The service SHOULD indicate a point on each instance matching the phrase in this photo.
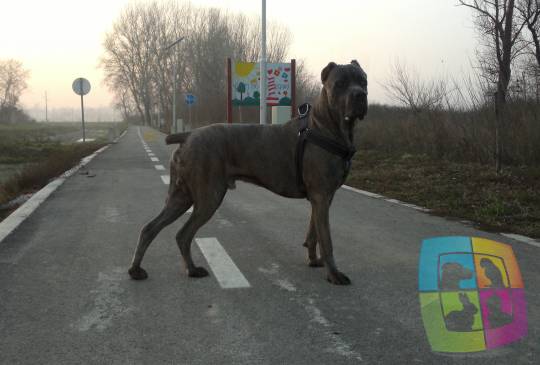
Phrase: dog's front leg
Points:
(321, 207)
(311, 244)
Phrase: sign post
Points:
(81, 86)
(190, 100)
(262, 66)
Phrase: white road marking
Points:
(166, 180)
(523, 239)
(363, 192)
(151, 154)
(226, 272)
(154, 159)
(517, 237)
(159, 167)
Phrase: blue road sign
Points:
(190, 99)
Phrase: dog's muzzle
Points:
(356, 104)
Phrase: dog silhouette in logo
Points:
(462, 320)
(497, 318)
(452, 274)
(493, 273)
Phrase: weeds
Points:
(37, 175)
(503, 202)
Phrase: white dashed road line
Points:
(159, 167)
(166, 179)
(154, 159)
(226, 272)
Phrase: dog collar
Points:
(306, 134)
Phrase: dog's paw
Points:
(198, 272)
(316, 262)
(137, 273)
(338, 278)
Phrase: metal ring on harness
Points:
(303, 110)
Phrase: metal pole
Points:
(46, 108)
(229, 92)
(263, 65)
(174, 85)
(174, 99)
(82, 111)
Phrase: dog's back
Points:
(259, 154)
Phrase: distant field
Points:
(31, 154)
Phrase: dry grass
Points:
(444, 160)
(37, 175)
(507, 202)
(465, 136)
(43, 151)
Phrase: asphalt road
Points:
(66, 298)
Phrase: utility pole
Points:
(174, 84)
(46, 109)
(263, 65)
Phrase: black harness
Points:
(305, 134)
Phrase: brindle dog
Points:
(210, 159)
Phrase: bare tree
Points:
(137, 59)
(13, 78)
(405, 87)
(529, 14)
(308, 85)
(495, 22)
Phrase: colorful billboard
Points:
(246, 81)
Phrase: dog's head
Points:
(345, 90)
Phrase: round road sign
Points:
(81, 86)
(190, 99)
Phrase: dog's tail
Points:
(177, 138)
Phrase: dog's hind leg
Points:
(311, 244)
(177, 204)
(203, 209)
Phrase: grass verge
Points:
(508, 202)
(34, 176)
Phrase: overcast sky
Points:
(60, 40)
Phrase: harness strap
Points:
(305, 134)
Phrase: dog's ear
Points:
(355, 63)
(326, 71)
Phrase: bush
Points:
(466, 136)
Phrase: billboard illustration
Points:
(471, 294)
(245, 84)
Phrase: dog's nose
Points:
(358, 94)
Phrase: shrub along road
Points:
(66, 296)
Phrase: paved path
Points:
(65, 297)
